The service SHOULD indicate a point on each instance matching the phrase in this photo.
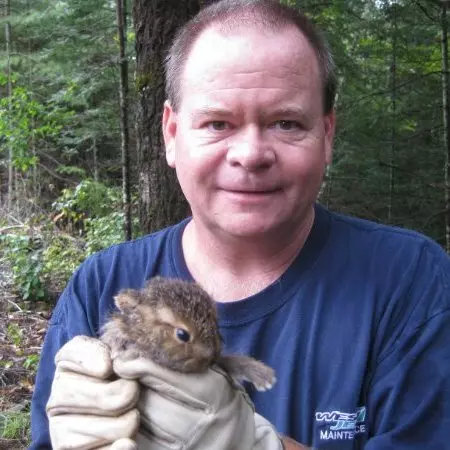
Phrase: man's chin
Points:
(250, 227)
(278, 225)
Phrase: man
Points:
(353, 316)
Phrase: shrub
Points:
(24, 255)
(102, 232)
(31, 363)
(44, 254)
(89, 199)
(60, 258)
(15, 425)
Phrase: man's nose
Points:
(251, 150)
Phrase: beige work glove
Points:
(86, 409)
(206, 411)
(177, 411)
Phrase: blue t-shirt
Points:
(357, 329)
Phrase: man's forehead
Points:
(247, 33)
(239, 47)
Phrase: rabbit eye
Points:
(182, 335)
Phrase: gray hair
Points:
(229, 15)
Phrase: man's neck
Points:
(231, 269)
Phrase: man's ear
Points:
(169, 128)
(330, 127)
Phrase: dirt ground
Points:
(22, 329)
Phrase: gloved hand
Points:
(205, 411)
(87, 409)
(188, 411)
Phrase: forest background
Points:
(81, 155)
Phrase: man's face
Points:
(250, 142)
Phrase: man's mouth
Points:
(261, 189)
(251, 193)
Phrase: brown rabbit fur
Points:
(174, 323)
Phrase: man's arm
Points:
(59, 331)
(408, 398)
(55, 338)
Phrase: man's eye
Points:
(287, 125)
(217, 125)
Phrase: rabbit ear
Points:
(127, 300)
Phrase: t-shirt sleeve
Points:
(56, 337)
(69, 319)
(408, 404)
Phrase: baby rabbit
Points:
(174, 323)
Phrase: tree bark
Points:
(9, 92)
(36, 185)
(123, 96)
(161, 200)
(446, 118)
(95, 158)
(394, 110)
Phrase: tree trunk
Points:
(9, 92)
(446, 114)
(36, 185)
(394, 110)
(95, 158)
(161, 200)
(123, 95)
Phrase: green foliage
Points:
(60, 258)
(72, 170)
(102, 232)
(65, 89)
(43, 261)
(389, 155)
(25, 258)
(144, 81)
(94, 207)
(14, 334)
(41, 264)
(6, 364)
(31, 363)
(15, 425)
(89, 199)
(23, 119)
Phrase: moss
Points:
(144, 80)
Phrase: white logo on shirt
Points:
(341, 425)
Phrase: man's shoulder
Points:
(386, 257)
(142, 247)
(129, 264)
(361, 234)
(122, 266)
(400, 278)
(361, 226)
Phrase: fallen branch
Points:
(15, 220)
(16, 305)
(11, 227)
